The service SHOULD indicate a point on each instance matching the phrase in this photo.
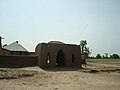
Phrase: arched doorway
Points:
(60, 60)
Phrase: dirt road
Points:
(67, 79)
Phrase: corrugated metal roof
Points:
(15, 46)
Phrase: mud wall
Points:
(18, 61)
(43, 49)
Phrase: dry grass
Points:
(15, 73)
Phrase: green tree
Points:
(83, 44)
(115, 56)
(106, 55)
(103, 56)
(84, 49)
(98, 56)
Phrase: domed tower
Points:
(58, 54)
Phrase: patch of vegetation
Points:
(103, 60)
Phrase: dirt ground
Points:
(97, 76)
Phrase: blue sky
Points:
(35, 21)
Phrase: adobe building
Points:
(13, 49)
(16, 49)
(58, 54)
(15, 55)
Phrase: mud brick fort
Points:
(51, 54)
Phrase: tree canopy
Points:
(98, 56)
(84, 49)
(114, 56)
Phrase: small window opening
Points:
(48, 58)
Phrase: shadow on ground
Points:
(55, 69)
(16, 66)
